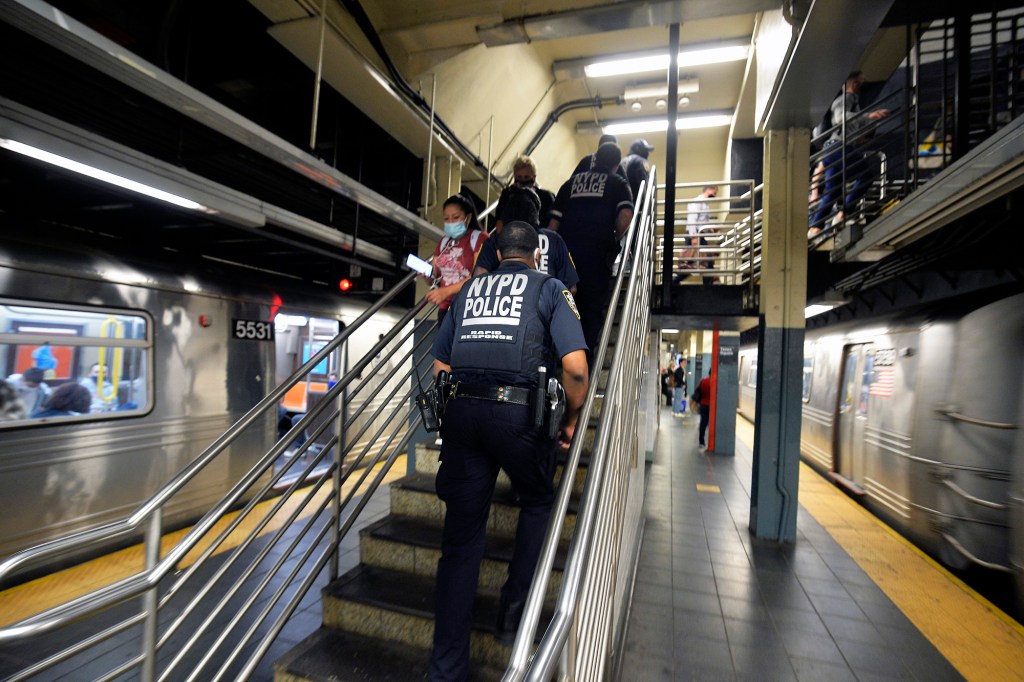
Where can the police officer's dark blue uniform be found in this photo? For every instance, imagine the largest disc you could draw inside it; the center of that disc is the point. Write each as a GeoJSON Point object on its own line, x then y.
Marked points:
{"type": "Point", "coordinates": [503, 326]}
{"type": "Point", "coordinates": [592, 210]}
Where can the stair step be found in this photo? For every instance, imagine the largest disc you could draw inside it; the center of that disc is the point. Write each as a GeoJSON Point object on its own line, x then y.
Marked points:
{"type": "Point", "coordinates": [398, 607]}
{"type": "Point", "coordinates": [428, 462]}
{"type": "Point", "coordinates": [415, 495]}
{"type": "Point", "coordinates": [414, 546]}
{"type": "Point", "coordinates": [331, 656]}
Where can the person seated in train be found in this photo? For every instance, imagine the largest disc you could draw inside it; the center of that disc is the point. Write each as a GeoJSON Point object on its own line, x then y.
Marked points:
{"type": "Point", "coordinates": [42, 357]}
{"type": "Point", "coordinates": [125, 398]}
{"type": "Point", "coordinates": [66, 400]}
{"type": "Point", "coordinates": [11, 406]}
{"type": "Point", "coordinates": [103, 394]}
{"type": "Point", "coordinates": [31, 388]}
{"type": "Point", "coordinates": [456, 253]}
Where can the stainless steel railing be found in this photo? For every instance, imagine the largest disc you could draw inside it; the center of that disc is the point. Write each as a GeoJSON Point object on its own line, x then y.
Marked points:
{"type": "Point", "coordinates": [211, 608]}
{"type": "Point", "coordinates": [598, 567]}
{"type": "Point", "coordinates": [722, 248]}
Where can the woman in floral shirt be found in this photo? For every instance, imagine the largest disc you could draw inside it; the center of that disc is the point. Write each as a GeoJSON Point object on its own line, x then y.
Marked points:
{"type": "Point", "coordinates": [456, 253]}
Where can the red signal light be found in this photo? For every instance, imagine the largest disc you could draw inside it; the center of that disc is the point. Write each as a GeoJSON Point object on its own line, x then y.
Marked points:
{"type": "Point", "coordinates": [345, 284]}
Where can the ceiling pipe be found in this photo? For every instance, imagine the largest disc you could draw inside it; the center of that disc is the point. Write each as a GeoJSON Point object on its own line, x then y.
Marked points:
{"type": "Point", "coordinates": [552, 119]}
{"type": "Point", "coordinates": [368, 30]}
{"type": "Point", "coordinates": [614, 17]}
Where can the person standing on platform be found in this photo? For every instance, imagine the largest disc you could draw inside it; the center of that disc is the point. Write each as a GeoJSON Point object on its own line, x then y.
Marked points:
{"type": "Point", "coordinates": [844, 162]}
{"type": "Point", "coordinates": [503, 327]}
{"type": "Point", "coordinates": [592, 212]}
{"type": "Point", "coordinates": [698, 217]}
{"type": "Point", "coordinates": [679, 402]}
{"type": "Point", "coordinates": [702, 396]}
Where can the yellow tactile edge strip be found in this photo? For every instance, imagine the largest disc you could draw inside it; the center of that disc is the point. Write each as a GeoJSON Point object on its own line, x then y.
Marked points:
{"type": "Point", "coordinates": [978, 639]}
{"type": "Point", "coordinates": [35, 596]}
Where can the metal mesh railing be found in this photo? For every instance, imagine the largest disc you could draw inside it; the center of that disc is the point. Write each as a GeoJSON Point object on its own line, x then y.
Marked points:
{"type": "Point", "coordinates": [960, 83]}
{"type": "Point", "coordinates": [717, 240]}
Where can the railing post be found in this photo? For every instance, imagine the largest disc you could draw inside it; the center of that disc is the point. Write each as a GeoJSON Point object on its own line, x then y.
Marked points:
{"type": "Point", "coordinates": [333, 568]}
{"type": "Point", "coordinates": [150, 600]}
{"type": "Point", "coordinates": [671, 146]}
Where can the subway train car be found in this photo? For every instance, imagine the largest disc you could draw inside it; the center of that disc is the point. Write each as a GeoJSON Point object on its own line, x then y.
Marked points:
{"type": "Point", "coordinates": [145, 367]}
{"type": "Point", "coordinates": [918, 416]}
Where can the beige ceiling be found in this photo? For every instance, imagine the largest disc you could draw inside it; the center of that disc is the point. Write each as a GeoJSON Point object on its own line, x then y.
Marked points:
{"type": "Point", "coordinates": [496, 94]}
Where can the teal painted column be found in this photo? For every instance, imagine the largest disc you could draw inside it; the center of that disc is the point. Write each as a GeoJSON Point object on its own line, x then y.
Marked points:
{"type": "Point", "coordinates": [773, 499]}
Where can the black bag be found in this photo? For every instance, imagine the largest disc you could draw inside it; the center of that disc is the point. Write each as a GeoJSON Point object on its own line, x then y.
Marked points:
{"type": "Point", "coordinates": [819, 130]}
{"type": "Point", "coordinates": [695, 398]}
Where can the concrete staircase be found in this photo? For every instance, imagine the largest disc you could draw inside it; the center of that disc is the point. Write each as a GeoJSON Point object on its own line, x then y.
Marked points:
{"type": "Point", "coordinates": [378, 617]}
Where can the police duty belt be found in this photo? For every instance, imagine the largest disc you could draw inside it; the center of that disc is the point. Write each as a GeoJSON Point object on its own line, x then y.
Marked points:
{"type": "Point", "coordinates": [502, 394]}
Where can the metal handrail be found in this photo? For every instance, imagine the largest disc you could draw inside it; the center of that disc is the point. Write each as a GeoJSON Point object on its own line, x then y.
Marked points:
{"type": "Point", "coordinates": [974, 499]}
{"type": "Point", "coordinates": [391, 436]}
{"type": "Point", "coordinates": [637, 259]}
{"type": "Point", "coordinates": [727, 254]}
{"type": "Point", "coordinates": [953, 414]}
{"type": "Point", "coordinates": [955, 544]}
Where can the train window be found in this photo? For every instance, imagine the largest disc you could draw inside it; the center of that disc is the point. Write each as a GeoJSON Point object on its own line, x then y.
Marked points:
{"type": "Point", "coordinates": [865, 384]}
{"type": "Point", "coordinates": [808, 373]}
{"type": "Point", "coordinates": [752, 374]}
{"type": "Point", "coordinates": [849, 381]}
{"type": "Point", "coordinates": [64, 363]}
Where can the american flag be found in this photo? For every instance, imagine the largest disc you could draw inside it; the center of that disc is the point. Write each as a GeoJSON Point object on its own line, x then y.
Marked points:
{"type": "Point", "coordinates": [883, 382]}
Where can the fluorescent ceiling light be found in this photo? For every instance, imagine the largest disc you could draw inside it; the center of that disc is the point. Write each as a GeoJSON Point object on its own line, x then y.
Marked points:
{"type": "Point", "coordinates": [660, 62]}
{"type": "Point", "coordinates": [817, 309]}
{"type": "Point", "coordinates": [101, 175]}
{"type": "Point", "coordinates": [712, 55]}
{"type": "Point", "coordinates": [618, 67]}
{"type": "Point", "coordinates": [660, 125]}
{"type": "Point", "coordinates": [823, 306]}
{"type": "Point", "coordinates": [669, 331]}
{"type": "Point", "coordinates": [644, 91]}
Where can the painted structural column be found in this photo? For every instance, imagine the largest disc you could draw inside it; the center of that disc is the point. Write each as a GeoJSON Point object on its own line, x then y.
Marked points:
{"type": "Point", "coordinates": [726, 393]}
{"type": "Point", "coordinates": [780, 347]}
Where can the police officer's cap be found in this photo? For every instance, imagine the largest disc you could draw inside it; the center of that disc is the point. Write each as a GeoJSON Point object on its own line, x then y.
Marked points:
{"type": "Point", "coordinates": [518, 239]}
{"type": "Point", "coordinates": [641, 147]}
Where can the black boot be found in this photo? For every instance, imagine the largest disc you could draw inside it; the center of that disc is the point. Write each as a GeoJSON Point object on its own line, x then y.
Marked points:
{"type": "Point", "coordinates": [509, 615]}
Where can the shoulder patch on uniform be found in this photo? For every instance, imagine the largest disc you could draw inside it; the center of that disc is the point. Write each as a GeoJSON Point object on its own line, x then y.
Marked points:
{"type": "Point", "coordinates": [572, 303]}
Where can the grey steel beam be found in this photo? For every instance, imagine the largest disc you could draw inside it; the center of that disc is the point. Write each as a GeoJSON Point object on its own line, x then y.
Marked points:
{"type": "Point", "coordinates": [79, 41]}
{"type": "Point", "coordinates": [221, 203]}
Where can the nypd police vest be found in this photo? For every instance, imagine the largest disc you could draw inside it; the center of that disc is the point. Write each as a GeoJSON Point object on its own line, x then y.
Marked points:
{"type": "Point", "coordinates": [500, 338]}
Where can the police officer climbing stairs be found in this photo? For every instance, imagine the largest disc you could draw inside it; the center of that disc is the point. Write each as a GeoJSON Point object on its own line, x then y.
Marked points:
{"type": "Point", "coordinates": [501, 343]}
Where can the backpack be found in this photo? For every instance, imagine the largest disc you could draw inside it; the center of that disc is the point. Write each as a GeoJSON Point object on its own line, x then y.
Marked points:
{"type": "Point", "coordinates": [819, 130]}
{"type": "Point", "coordinates": [473, 239]}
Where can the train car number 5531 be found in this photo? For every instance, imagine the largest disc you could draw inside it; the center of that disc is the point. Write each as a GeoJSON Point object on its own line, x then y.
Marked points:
{"type": "Point", "coordinates": [254, 330]}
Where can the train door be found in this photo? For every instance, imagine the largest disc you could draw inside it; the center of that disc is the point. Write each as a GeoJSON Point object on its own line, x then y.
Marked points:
{"type": "Point", "coordinates": [852, 414]}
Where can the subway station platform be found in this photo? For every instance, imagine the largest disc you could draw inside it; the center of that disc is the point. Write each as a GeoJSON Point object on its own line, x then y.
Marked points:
{"type": "Point", "coordinates": [851, 600]}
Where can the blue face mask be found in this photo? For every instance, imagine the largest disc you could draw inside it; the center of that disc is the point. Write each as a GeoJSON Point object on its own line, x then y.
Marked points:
{"type": "Point", "coordinates": [455, 230]}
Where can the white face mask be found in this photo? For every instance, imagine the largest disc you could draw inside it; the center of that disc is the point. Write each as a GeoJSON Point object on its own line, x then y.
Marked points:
{"type": "Point", "coordinates": [455, 230]}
